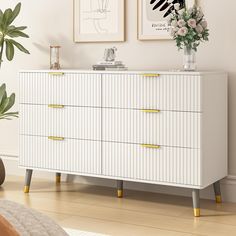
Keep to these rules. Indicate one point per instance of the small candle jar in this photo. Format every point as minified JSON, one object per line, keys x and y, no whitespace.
{"x":55,"y":57}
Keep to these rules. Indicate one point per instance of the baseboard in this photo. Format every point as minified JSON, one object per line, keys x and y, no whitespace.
{"x":228,"y":185}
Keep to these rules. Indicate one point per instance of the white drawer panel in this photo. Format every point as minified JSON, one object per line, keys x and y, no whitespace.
{"x":166,"y":92}
{"x":70,"y":122}
{"x":68,"y":155}
{"x":167,"y":164}
{"x":68,"y":89}
{"x":180,"y":129}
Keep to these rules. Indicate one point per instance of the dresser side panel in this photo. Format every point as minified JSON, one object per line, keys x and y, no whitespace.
{"x":214,"y":128}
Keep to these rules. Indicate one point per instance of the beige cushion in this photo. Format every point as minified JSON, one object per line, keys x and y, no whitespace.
{"x":27,"y":222}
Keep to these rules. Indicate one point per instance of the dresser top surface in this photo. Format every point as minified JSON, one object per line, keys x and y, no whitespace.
{"x":175,"y":72}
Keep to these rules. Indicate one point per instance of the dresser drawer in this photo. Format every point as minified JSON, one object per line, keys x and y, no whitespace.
{"x":165,"y":92}
{"x":181,"y":129}
{"x":167,"y":164}
{"x":69,"y":122}
{"x":67,"y":155}
{"x":75,"y":89}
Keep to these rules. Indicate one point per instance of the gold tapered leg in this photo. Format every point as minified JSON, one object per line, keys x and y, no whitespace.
{"x":26,"y":189}
{"x":119,"y":193}
{"x":58,"y":179}
{"x":218,"y":199}
{"x":196,"y":212}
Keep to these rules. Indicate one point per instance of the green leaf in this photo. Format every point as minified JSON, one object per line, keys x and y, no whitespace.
{"x":1,"y":16}
{"x":2,"y":92}
{"x":9,"y":116}
{"x":4,"y":97}
{"x":15,"y":13}
{"x":4,"y":105}
{"x":19,"y":46}
{"x":6,"y":17}
{"x":9,"y":50}
{"x":10,"y":103}
{"x":20,"y":28}
{"x":17,"y":33}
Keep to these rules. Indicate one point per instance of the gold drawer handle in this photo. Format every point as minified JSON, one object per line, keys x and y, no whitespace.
{"x":56,"y":73}
{"x":151,"y":75}
{"x":54,"y":138}
{"x":151,"y":110}
{"x":151,"y":146}
{"x":55,"y":106}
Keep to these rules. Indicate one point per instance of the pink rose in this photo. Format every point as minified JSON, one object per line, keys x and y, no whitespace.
{"x":192,"y":23}
{"x":204,"y":24}
{"x":199,"y":29}
{"x":182,"y":31}
{"x":181,"y":23}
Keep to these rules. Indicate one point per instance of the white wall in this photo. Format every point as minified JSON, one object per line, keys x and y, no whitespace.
{"x":51,"y":22}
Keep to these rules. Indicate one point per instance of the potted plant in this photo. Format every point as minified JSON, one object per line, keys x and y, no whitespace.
{"x":8,"y":33}
{"x":189,"y":29}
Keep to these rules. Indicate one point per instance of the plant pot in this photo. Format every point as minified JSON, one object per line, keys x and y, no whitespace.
{"x":2,"y":172}
{"x":189,"y":59}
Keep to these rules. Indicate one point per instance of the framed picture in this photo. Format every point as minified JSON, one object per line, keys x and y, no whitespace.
{"x":153,"y":18}
{"x":99,"y":20}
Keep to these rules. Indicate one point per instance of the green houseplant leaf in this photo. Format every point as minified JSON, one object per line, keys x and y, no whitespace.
{"x":8,"y":31}
{"x":19,"y":46}
{"x":15,"y":13}
{"x":9,"y":50}
{"x":6,"y":104}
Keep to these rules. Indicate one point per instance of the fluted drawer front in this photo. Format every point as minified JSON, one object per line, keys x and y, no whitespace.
{"x":180,"y":129}
{"x":167,"y":164}
{"x":70,"y":122}
{"x":165,"y":92}
{"x":76,"y":89}
{"x":67,"y":155}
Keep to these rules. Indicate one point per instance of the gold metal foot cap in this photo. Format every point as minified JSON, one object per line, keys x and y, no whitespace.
{"x":218,"y":199}
{"x":26,"y":189}
{"x":119,"y":193}
{"x":196,"y":212}
{"x":58,"y":179}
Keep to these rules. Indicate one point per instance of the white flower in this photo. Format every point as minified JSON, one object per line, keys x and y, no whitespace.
{"x":199,"y":29}
{"x":174,"y":23}
{"x":192,"y":23}
{"x":172,"y":32}
{"x":176,"y":6}
{"x":181,"y":23}
{"x":181,"y":11}
{"x":168,"y":18}
{"x":200,"y":35}
{"x":175,"y":29}
{"x":190,"y":10}
{"x":204,"y":24}
{"x":182,"y":31}
{"x":199,"y":13}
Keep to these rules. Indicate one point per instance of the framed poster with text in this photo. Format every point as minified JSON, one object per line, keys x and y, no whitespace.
{"x":153,"y":18}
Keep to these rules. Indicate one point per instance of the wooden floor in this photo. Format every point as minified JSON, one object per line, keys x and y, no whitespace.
{"x":96,"y":209}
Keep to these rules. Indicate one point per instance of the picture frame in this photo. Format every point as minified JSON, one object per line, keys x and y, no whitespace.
{"x":99,"y":21}
{"x":153,"y":18}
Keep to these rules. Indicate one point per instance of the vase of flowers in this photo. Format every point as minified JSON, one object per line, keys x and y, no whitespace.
{"x":189,"y":29}
{"x":8,"y":44}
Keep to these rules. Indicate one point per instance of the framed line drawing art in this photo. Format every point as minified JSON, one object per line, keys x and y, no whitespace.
{"x":153,"y":18}
{"x":99,"y":20}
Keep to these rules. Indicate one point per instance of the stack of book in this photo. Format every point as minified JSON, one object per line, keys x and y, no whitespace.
{"x":110,"y":65}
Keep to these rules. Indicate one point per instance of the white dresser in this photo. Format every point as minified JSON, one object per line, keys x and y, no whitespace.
{"x":167,"y":128}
